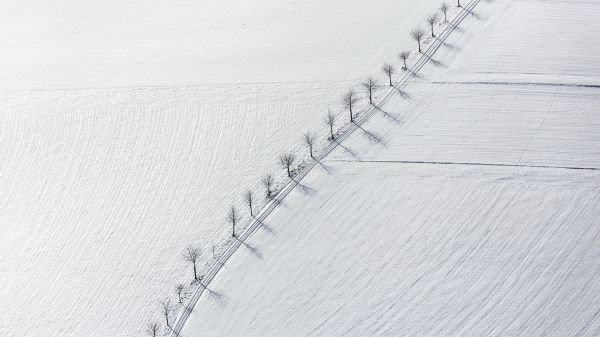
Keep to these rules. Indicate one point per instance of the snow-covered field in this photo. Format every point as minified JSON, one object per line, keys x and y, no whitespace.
{"x":468,"y":206}
{"x":127,"y":128}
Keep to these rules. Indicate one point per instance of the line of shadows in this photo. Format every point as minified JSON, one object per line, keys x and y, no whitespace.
{"x":275,"y":200}
{"x":371,"y":136}
{"x":402,"y":94}
{"x":347,"y":150}
{"x":326,"y":168}
{"x":456,"y":28}
{"x":252,"y":249}
{"x":304,"y":189}
{"x":475,"y":15}
{"x":435,"y":62}
{"x":389,"y":115}
{"x":265,"y":226}
{"x":448,"y":45}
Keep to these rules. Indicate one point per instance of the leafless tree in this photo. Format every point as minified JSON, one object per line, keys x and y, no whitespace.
{"x":389,"y":70}
{"x":191,"y":254}
{"x":309,"y":140}
{"x":179,"y":290}
{"x":404,"y":56}
{"x":286,"y":161}
{"x":371,"y":86}
{"x":233,"y":218}
{"x":268,"y":183}
{"x":417,"y":34}
{"x":248,"y":198}
{"x":458,"y":1}
{"x":349,"y":100}
{"x":152,"y":329}
{"x":444,"y":8}
{"x":165,"y":306}
{"x":330,"y":121}
{"x":431,"y":20}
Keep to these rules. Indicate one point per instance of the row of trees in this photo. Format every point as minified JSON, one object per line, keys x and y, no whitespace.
{"x":287,"y":160}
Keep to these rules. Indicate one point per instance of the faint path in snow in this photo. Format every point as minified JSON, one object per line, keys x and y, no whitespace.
{"x":467,"y":164}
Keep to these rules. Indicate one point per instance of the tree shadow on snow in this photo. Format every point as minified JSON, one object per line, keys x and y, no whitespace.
{"x":389,"y":115}
{"x":435,"y":62}
{"x":347,"y":150}
{"x":252,"y":249}
{"x":402,"y":94}
{"x":326,"y":168}
{"x":304,"y":189}
{"x":266,"y":227}
{"x":371,"y":136}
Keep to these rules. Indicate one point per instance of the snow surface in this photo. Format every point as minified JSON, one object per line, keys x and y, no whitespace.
{"x":467,"y":206}
{"x":127,"y":128}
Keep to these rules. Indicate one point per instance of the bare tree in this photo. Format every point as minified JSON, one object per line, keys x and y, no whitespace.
{"x":330,"y":121}
{"x":389,"y":70}
{"x":417,"y":34}
{"x":152,"y":329}
{"x":459,"y":3}
{"x":268,"y":183}
{"x":444,"y":8}
{"x":371,"y":86}
{"x":248,"y":198}
{"x":191,"y":254}
{"x":349,"y":100}
{"x":431,"y":20}
{"x":404,"y":56}
{"x":233,"y":218}
{"x":309,"y":140}
{"x":179,"y":290}
{"x":165,"y":306}
{"x":286,"y":161}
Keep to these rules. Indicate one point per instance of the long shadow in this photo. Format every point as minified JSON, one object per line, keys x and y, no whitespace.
{"x":304,"y":189}
{"x":456,"y":28}
{"x":326,"y":168}
{"x":253,"y":250}
{"x":347,"y":150}
{"x":373,"y":137}
{"x":402,"y":94}
{"x":265,"y":226}
{"x":216,"y":296}
{"x":415,"y":74}
{"x":475,"y":15}
{"x":389,"y":115}
{"x":276,"y":201}
{"x":435,"y":62}
{"x":448,"y":45}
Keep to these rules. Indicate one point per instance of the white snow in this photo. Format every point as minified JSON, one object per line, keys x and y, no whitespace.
{"x":468,"y":206}
{"x":127,"y":129}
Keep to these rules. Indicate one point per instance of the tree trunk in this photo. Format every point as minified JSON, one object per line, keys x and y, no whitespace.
{"x":195,"y":274}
